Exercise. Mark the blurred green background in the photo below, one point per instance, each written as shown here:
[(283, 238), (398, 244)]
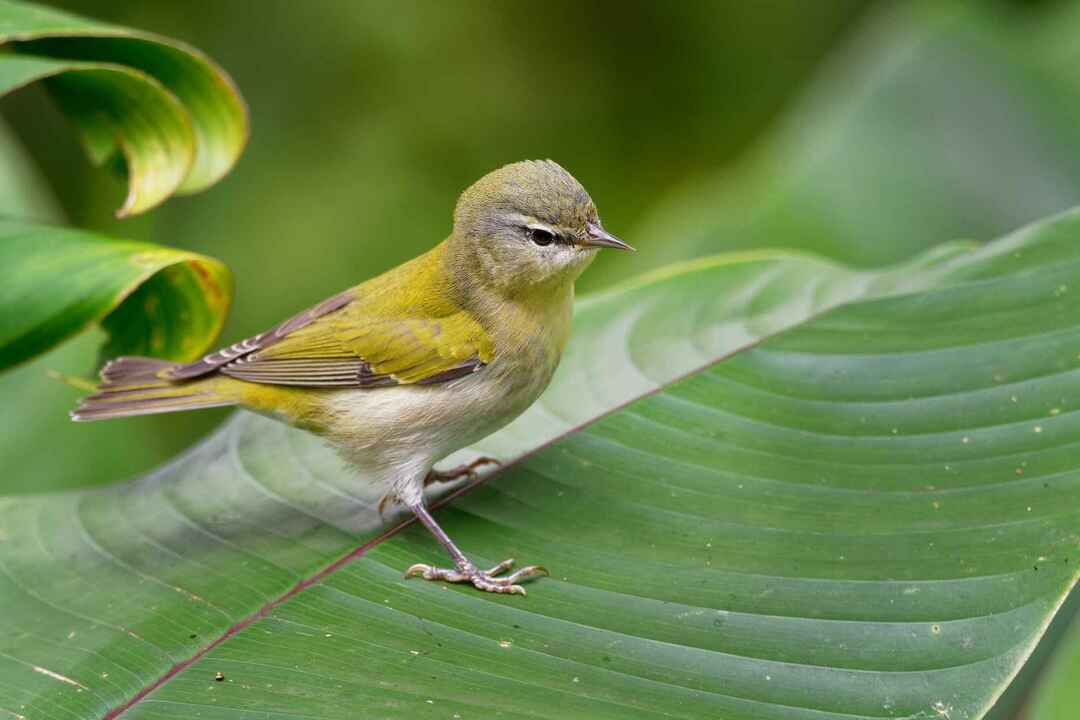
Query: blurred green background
[(863, 131)]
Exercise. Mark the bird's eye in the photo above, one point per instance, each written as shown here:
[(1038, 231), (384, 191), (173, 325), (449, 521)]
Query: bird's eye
[(540, 236)]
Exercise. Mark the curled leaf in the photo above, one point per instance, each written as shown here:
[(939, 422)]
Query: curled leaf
[(152, 300), (161, 110)]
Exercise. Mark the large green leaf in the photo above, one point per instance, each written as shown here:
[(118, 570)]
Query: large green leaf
[(151, 300), (156, 106), (870, 515)]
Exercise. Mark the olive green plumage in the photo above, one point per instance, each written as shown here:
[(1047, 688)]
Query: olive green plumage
[(418, 362)]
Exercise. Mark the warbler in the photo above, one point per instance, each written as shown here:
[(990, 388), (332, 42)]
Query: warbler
[(414, 364)]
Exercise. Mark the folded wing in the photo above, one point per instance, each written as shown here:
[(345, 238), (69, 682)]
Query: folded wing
[(339, 343)]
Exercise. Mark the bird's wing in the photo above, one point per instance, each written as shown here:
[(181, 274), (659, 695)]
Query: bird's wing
[(216, 360), (339, 344)]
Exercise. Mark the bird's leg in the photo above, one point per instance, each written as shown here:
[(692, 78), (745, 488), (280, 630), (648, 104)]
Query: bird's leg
[(440, 476), (464, 569)]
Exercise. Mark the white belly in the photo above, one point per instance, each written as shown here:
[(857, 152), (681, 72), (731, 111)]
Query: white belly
[(394, 435)]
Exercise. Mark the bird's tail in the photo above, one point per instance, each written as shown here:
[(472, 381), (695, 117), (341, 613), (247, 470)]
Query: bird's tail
[(133, 386)]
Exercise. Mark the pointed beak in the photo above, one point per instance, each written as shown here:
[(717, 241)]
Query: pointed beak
[(599, 237)]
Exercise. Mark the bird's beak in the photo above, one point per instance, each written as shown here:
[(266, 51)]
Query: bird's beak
[(599, 237)]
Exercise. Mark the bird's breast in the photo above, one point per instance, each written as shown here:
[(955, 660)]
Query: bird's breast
[(418, 424)]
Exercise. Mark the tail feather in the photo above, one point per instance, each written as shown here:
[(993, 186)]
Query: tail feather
[(132, 386)]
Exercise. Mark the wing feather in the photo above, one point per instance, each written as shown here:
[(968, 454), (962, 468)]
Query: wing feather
[(216, 360), (338, 344)]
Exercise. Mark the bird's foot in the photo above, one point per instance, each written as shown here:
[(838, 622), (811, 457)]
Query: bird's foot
[(441, 476), (486, 580)]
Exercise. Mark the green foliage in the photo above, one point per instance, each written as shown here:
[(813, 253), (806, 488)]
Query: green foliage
[(169, 119), (151, 300), (161, 109), (867, 514)]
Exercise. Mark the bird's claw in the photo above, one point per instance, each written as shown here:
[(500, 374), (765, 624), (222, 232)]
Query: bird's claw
[(486, 580)]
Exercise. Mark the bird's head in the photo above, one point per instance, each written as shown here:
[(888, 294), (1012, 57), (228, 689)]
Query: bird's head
[(528, 225)]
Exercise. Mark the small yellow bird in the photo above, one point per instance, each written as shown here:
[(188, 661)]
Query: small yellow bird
[(410, 366)]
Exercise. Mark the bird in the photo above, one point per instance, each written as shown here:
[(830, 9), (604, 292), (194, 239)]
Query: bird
[(414, 364)]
